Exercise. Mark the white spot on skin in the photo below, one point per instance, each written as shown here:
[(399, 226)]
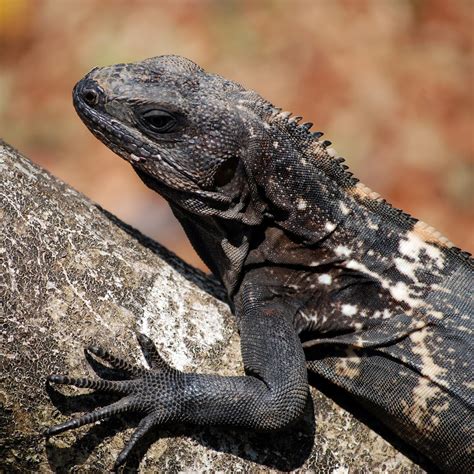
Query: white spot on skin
[(419, 410), (325, 279), (348, 366), (422, 411), (372, 226), (428, 366), (344, 209), (136, 158), (307, 317), (331, 152), (342, 251), (275, 145), (399, 290), (412, 246), (302, 205), (406, 267), (439, 314), (329, 226), (349, 309)]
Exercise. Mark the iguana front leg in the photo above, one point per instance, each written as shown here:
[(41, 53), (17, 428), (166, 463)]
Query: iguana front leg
[(270, 397)]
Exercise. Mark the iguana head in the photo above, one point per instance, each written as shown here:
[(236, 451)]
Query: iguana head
[(185, 131)]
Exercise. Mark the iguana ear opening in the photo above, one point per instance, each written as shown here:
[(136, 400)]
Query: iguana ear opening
[(225, 172)]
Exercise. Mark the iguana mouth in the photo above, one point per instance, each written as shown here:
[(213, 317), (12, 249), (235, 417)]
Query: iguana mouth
[(88, 100)]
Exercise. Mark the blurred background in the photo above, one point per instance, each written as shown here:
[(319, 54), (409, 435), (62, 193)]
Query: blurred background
[(390, 82)]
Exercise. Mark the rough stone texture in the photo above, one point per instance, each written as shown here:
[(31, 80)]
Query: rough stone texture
[(74, 274)]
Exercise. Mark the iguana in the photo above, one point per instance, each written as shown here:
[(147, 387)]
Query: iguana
[(321, 273)]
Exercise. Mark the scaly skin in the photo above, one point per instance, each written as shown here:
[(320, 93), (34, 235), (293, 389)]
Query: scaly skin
[(315, 264)]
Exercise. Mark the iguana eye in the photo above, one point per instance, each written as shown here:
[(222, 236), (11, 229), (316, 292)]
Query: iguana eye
[(159, 121)]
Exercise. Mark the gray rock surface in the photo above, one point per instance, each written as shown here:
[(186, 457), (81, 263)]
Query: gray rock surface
[(74, 274)]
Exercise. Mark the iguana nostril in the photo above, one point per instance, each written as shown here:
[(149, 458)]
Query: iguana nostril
[(90, 96)]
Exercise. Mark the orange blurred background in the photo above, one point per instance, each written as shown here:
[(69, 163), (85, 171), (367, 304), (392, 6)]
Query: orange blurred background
[(389, 82)]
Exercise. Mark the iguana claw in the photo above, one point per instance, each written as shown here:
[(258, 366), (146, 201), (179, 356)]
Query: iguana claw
[(141, 393)]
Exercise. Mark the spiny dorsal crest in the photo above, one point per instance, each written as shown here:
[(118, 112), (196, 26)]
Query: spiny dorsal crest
[(334, 167), (327, 159)]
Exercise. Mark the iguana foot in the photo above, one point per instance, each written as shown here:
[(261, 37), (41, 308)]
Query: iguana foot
[(154, 392), (266, 399)]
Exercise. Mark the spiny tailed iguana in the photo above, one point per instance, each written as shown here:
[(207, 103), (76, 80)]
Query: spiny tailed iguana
[(321, 273)]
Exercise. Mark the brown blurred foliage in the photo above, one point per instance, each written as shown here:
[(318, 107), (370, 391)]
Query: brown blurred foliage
[(390, 82)]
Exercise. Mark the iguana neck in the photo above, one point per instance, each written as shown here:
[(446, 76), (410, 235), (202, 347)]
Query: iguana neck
[(298, 152)]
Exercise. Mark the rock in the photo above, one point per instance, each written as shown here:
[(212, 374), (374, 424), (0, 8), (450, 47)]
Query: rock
[(74, 274)]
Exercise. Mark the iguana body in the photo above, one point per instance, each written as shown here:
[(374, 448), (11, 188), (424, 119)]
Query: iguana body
[(320, 272)]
